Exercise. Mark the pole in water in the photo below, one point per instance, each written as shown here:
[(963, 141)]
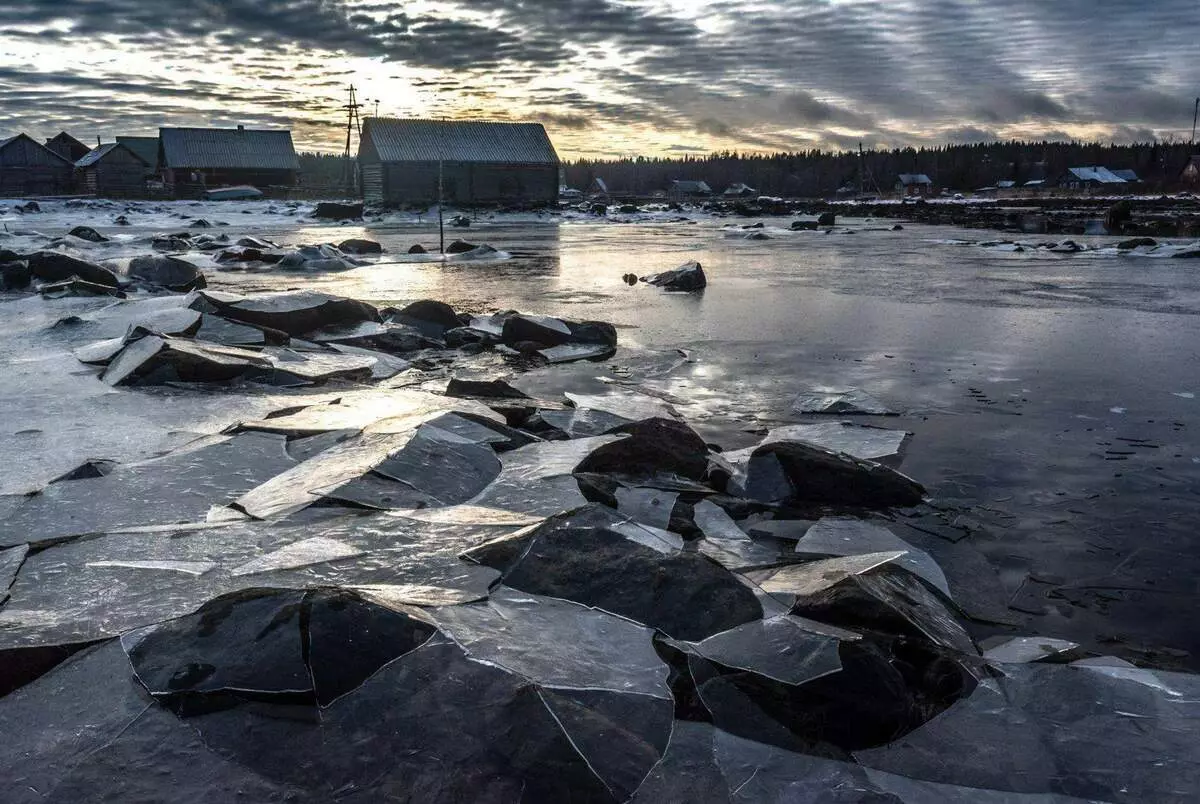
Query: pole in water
[(1195, 117), (441, 225)]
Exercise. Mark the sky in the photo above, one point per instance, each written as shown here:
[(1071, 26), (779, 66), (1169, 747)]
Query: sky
[(611, 78)]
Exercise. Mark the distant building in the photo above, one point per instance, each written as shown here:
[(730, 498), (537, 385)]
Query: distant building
[(197, 159), (111, 171), (914, 184), (1088, 178), (480, 161), (29, 168), (1128, 176), (685, 190), (1005, 184), (597, 188), (1191, 171), (144, 147), (739, 190), (67, 147)]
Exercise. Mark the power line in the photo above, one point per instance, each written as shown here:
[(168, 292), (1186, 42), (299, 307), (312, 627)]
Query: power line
[(353, 123)]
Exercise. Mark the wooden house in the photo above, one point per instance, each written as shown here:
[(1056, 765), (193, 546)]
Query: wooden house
[(194, 160), (67, 147), (480, 162), (1089, 178), (912, 185), (146, 148), (1191, 172), (111, 171), (29, 168), (686, 190)]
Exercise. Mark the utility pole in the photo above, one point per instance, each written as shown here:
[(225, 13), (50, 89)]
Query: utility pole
[(441, 203), (862, 176), (1195, 117), (353, 122)]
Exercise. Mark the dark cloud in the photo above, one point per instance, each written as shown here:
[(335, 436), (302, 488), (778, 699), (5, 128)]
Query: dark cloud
[(765, 74)]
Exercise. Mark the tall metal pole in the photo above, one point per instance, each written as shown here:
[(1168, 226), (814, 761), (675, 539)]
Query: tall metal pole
[(862, 177), (441, 225), (1195, 117)]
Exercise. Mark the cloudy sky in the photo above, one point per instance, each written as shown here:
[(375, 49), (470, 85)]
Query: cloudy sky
[(611, 77)]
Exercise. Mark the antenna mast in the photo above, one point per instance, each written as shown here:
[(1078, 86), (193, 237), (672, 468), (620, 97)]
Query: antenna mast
[(353, 123), (1195, 117)]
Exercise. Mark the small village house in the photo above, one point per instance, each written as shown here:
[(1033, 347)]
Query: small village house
[(197, 159), (111, 171), (686, 190), (740, 190), (29, 168), (146, 148), (914, 185), (67, 147), (1127, 176), (1089, 178), (479, 162)]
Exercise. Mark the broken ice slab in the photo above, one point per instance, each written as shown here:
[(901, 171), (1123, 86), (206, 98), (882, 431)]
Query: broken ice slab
[(379, 411), (579, 422), (1019, 650), (312, 366), (1063, 730), (537, 479), (814, 577), (10, 561), (293, 312), (385, 366), (556, 643), (155, 360), (851, 401), (785, 471), (785, 648), (647, 506), (628, 405), (102, 587), (844, 536), (857, 440), (570, 352), (179, 487)]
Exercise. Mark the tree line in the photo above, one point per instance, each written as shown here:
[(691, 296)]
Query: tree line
[(951, 167)]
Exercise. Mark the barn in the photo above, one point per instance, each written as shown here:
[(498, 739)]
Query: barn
[(111, 171), (481, 162), (197, 159), (29, 168)]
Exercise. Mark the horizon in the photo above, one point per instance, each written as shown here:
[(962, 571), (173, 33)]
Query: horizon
[(613, 79)]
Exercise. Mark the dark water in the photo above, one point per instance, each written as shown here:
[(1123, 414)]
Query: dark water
[(1050, 395)]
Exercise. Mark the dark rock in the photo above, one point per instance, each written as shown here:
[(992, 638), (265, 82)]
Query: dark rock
[(1136, 242), (593, 332), (798, 226), (827, 219), (599, 209), (168, 272), (171, 243), (88, 233), (331, 210), (54, 266), (255, 242), (428, 315), (318, 258), (805, 473), (460, 221), (200, 223), (359, 246), (417, 248), (233, 255), (294, 313), (1118, 215), (460, 247), (154, 360), (687, 277), (652, 446), (897, 228), (684, 594), (628, 209), (538, 331), (387, 338), (28, 206), (490, 389), (630, 279), (15, 275), (121, 220), (461, 337)]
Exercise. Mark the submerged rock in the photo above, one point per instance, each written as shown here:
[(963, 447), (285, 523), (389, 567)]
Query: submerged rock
[(295, 312), (88, 233), (792, 471), (54, 266), (15, 275), (318, 258), (687, 277), (460, 247), (827, 219), (359, 246), (332, 210), (417, 248)]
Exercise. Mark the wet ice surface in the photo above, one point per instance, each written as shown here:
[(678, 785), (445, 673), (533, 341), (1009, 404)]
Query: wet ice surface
[(351, 561)]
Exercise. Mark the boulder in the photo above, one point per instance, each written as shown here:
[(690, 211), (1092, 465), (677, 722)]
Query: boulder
[(168, 272), (15, 275), (430, 316), (793, 471), (827, 219), (199, 223), (460, 221), (293, 313), (332, 210), (88, 233), (1136, 242), (630, 279), (460, 247), (653, 446), (535, 330), (360, 246), (256, 243), (171, 243), (417, 249), (687, 277), (54, 266), (28, 206), (318, 258), (121, 220)]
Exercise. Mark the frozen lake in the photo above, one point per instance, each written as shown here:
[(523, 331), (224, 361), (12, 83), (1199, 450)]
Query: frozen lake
[(1052, 395)]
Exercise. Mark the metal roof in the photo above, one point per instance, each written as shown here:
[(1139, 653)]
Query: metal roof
[(689, 186), (228, 148), (1127, 175), (144, 147), (96, 154), (914, 178), (396, 140), (5, 143), (1100, 175)]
